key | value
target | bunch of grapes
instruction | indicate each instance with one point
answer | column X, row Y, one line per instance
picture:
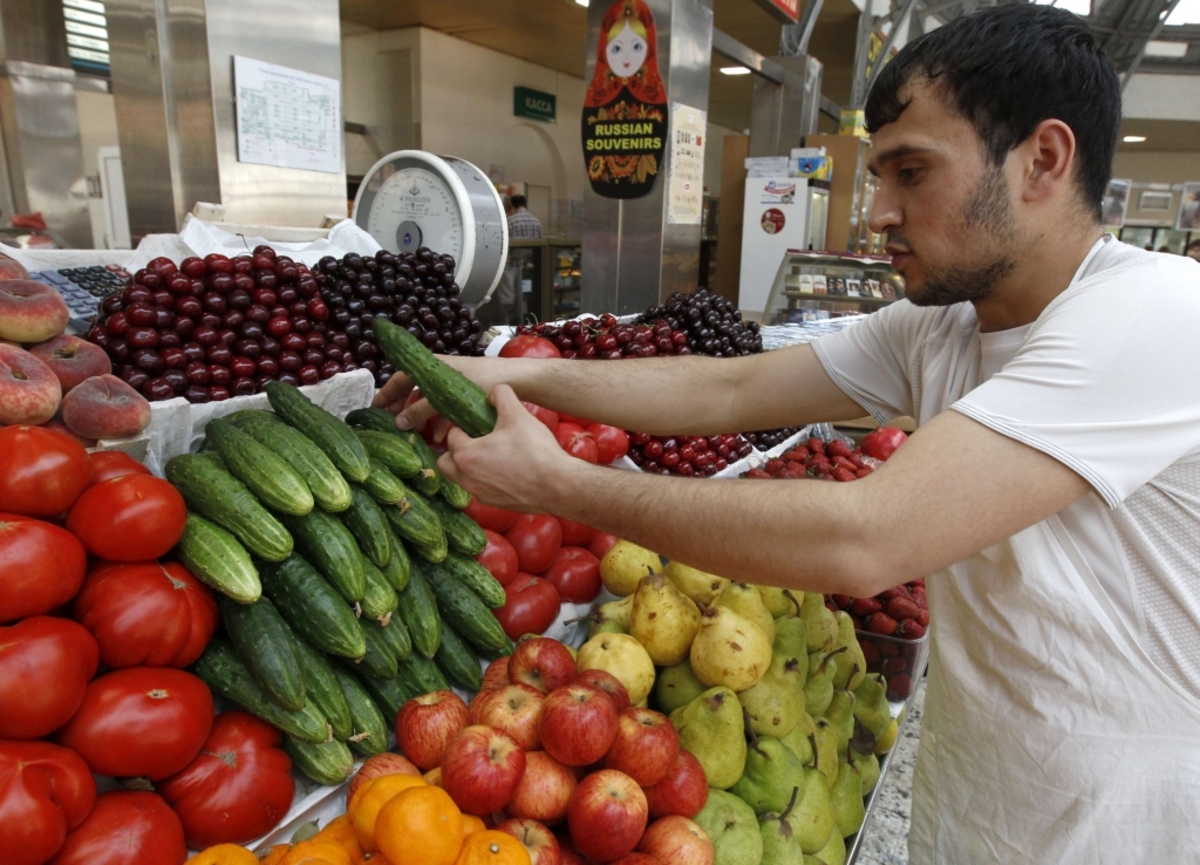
column 712, row 323
column 764, row 440
column 605, row 338
column 689, row 456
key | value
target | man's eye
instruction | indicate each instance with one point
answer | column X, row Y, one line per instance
column 908, row 175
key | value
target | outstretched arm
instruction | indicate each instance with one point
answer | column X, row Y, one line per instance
column 955, row 488
column 663, row 396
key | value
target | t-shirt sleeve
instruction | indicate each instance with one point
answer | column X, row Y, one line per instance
column 872, row 361
column 1108, row 380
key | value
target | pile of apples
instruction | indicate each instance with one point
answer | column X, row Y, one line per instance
column 59, row 381
column 552, row 751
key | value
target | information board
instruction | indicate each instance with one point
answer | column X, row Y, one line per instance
column 287, row 117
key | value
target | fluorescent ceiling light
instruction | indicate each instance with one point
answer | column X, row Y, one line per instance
column 1079, row 7
column 1187, row 12
column 734, row 70
column 1161, row 48
column 1134, row 139
column 581, row 2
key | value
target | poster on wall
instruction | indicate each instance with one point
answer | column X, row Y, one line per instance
column 625, row 108
column 1116, row 203
column 287, row 117
column 1189, row 208
column 685, row 194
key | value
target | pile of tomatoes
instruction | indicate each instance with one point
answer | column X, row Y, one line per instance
column 95, row 628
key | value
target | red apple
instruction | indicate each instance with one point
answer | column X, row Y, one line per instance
column 607, row 815
column 72, row 359
column 386, row 763
column 539, row 842
column 645, row 748
column 608, row 683
column 496, row 675
column 474, row 706
column 684, row 791
column 31, row 311
column 481, row 768
column 570, row 857
column 541, row 663
column 579, row 724
column 104, row 407
column 677, row 839
column 639, row 859
column 516, row 710
column 10, row 268
column 544, row 791
column 29, row 390
column 426, row 724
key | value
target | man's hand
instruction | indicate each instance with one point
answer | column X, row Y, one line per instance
column 399, row 387
column 512, row 467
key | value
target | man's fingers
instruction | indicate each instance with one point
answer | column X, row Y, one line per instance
column 395, row 390
column 456, row 438
column 448, row 468
column 441, row 429
column 415, row 416
column 504, row 398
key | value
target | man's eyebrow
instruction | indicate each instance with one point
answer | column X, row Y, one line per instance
column 894, row 154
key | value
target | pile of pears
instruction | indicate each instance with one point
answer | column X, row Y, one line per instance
column 768, row 689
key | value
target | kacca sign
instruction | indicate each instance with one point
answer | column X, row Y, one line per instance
column 534, row 104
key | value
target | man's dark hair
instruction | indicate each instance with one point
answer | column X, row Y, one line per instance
column 1008, row 68
column 1194, row 244
column 519, row 201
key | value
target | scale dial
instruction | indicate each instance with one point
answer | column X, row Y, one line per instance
column 412, row 198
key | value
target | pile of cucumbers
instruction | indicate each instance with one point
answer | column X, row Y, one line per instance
column 345, row 570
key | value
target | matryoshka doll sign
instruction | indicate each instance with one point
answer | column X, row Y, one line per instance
column 625, row 108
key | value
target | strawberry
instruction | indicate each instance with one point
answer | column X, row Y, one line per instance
column 870, row 652
column 866, row 606
column 757, row 473
column 816, row 445
column 793, row 465
column 843, row 475
column 837, row 448
column 899, row 686
column 791, row 475
column 774, row 466
column 902, row 608
column 815, row 472
column 881, row 623
column 843, row 601
column 840, row 462
column 918, row 598
column 799, row 454
column 894, row 665
column 923, row 618
column 831, row 606
column 857, row 461
column 910, row 629
column 919, row 581
column 862, row 473
column 896, row 592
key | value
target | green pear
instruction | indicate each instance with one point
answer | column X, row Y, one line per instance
column 664, row 620
column 853, row 666
column 676, row 686
column 826, row 745
column 822, row 626
column 711, row 727
column 625, row 564
column 700, row 586
column 613, row 617
column 840, row 714
column 776, row 701
column 812, row 819
column 868, row 766
column 609, row 627
column 780, row 845
column 818, row 687
column 745, row 600
column 871, row 705
column 779, row 602
column 846, row 796
column 771, row 771
column 733, row 829
column 833, row 853
column 791, row 639
column 729, row 650
column 800, row 740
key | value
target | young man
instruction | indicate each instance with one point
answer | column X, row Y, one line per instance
column 1055, row 477
column 522, row 223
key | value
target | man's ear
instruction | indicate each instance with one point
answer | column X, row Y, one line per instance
column 1048, row 160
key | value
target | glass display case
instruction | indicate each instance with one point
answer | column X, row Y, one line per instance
column 541, row 282
column 811, row 286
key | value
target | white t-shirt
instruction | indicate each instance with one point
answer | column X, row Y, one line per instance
column 1060, row 628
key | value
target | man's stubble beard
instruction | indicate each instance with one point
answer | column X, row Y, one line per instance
column 987, row 223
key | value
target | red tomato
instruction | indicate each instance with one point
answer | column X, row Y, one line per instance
column 601, row 544
column 133, row 518
column 42, row 472
column 882, row 443
column 151, row 614
column 578, row 421
column 499, row 558
column 536, row 538
column 61, row 657
column 528, row 345
column 612, row 442
column 575, row 573
column 488, row 517
column 41, row 567
column 125, row 827
column 45, row 792
column 575, row 534
column 238, row 787
column 531, row 605
column 576, row 441
column 107, row 465
column 141, row 721
column 545, row 415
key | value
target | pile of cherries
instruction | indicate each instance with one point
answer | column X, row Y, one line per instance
column 416, row 290
column 713, row 324
column 605, row 338
column 688, row 456
column 764, row 440
column 217, row 327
